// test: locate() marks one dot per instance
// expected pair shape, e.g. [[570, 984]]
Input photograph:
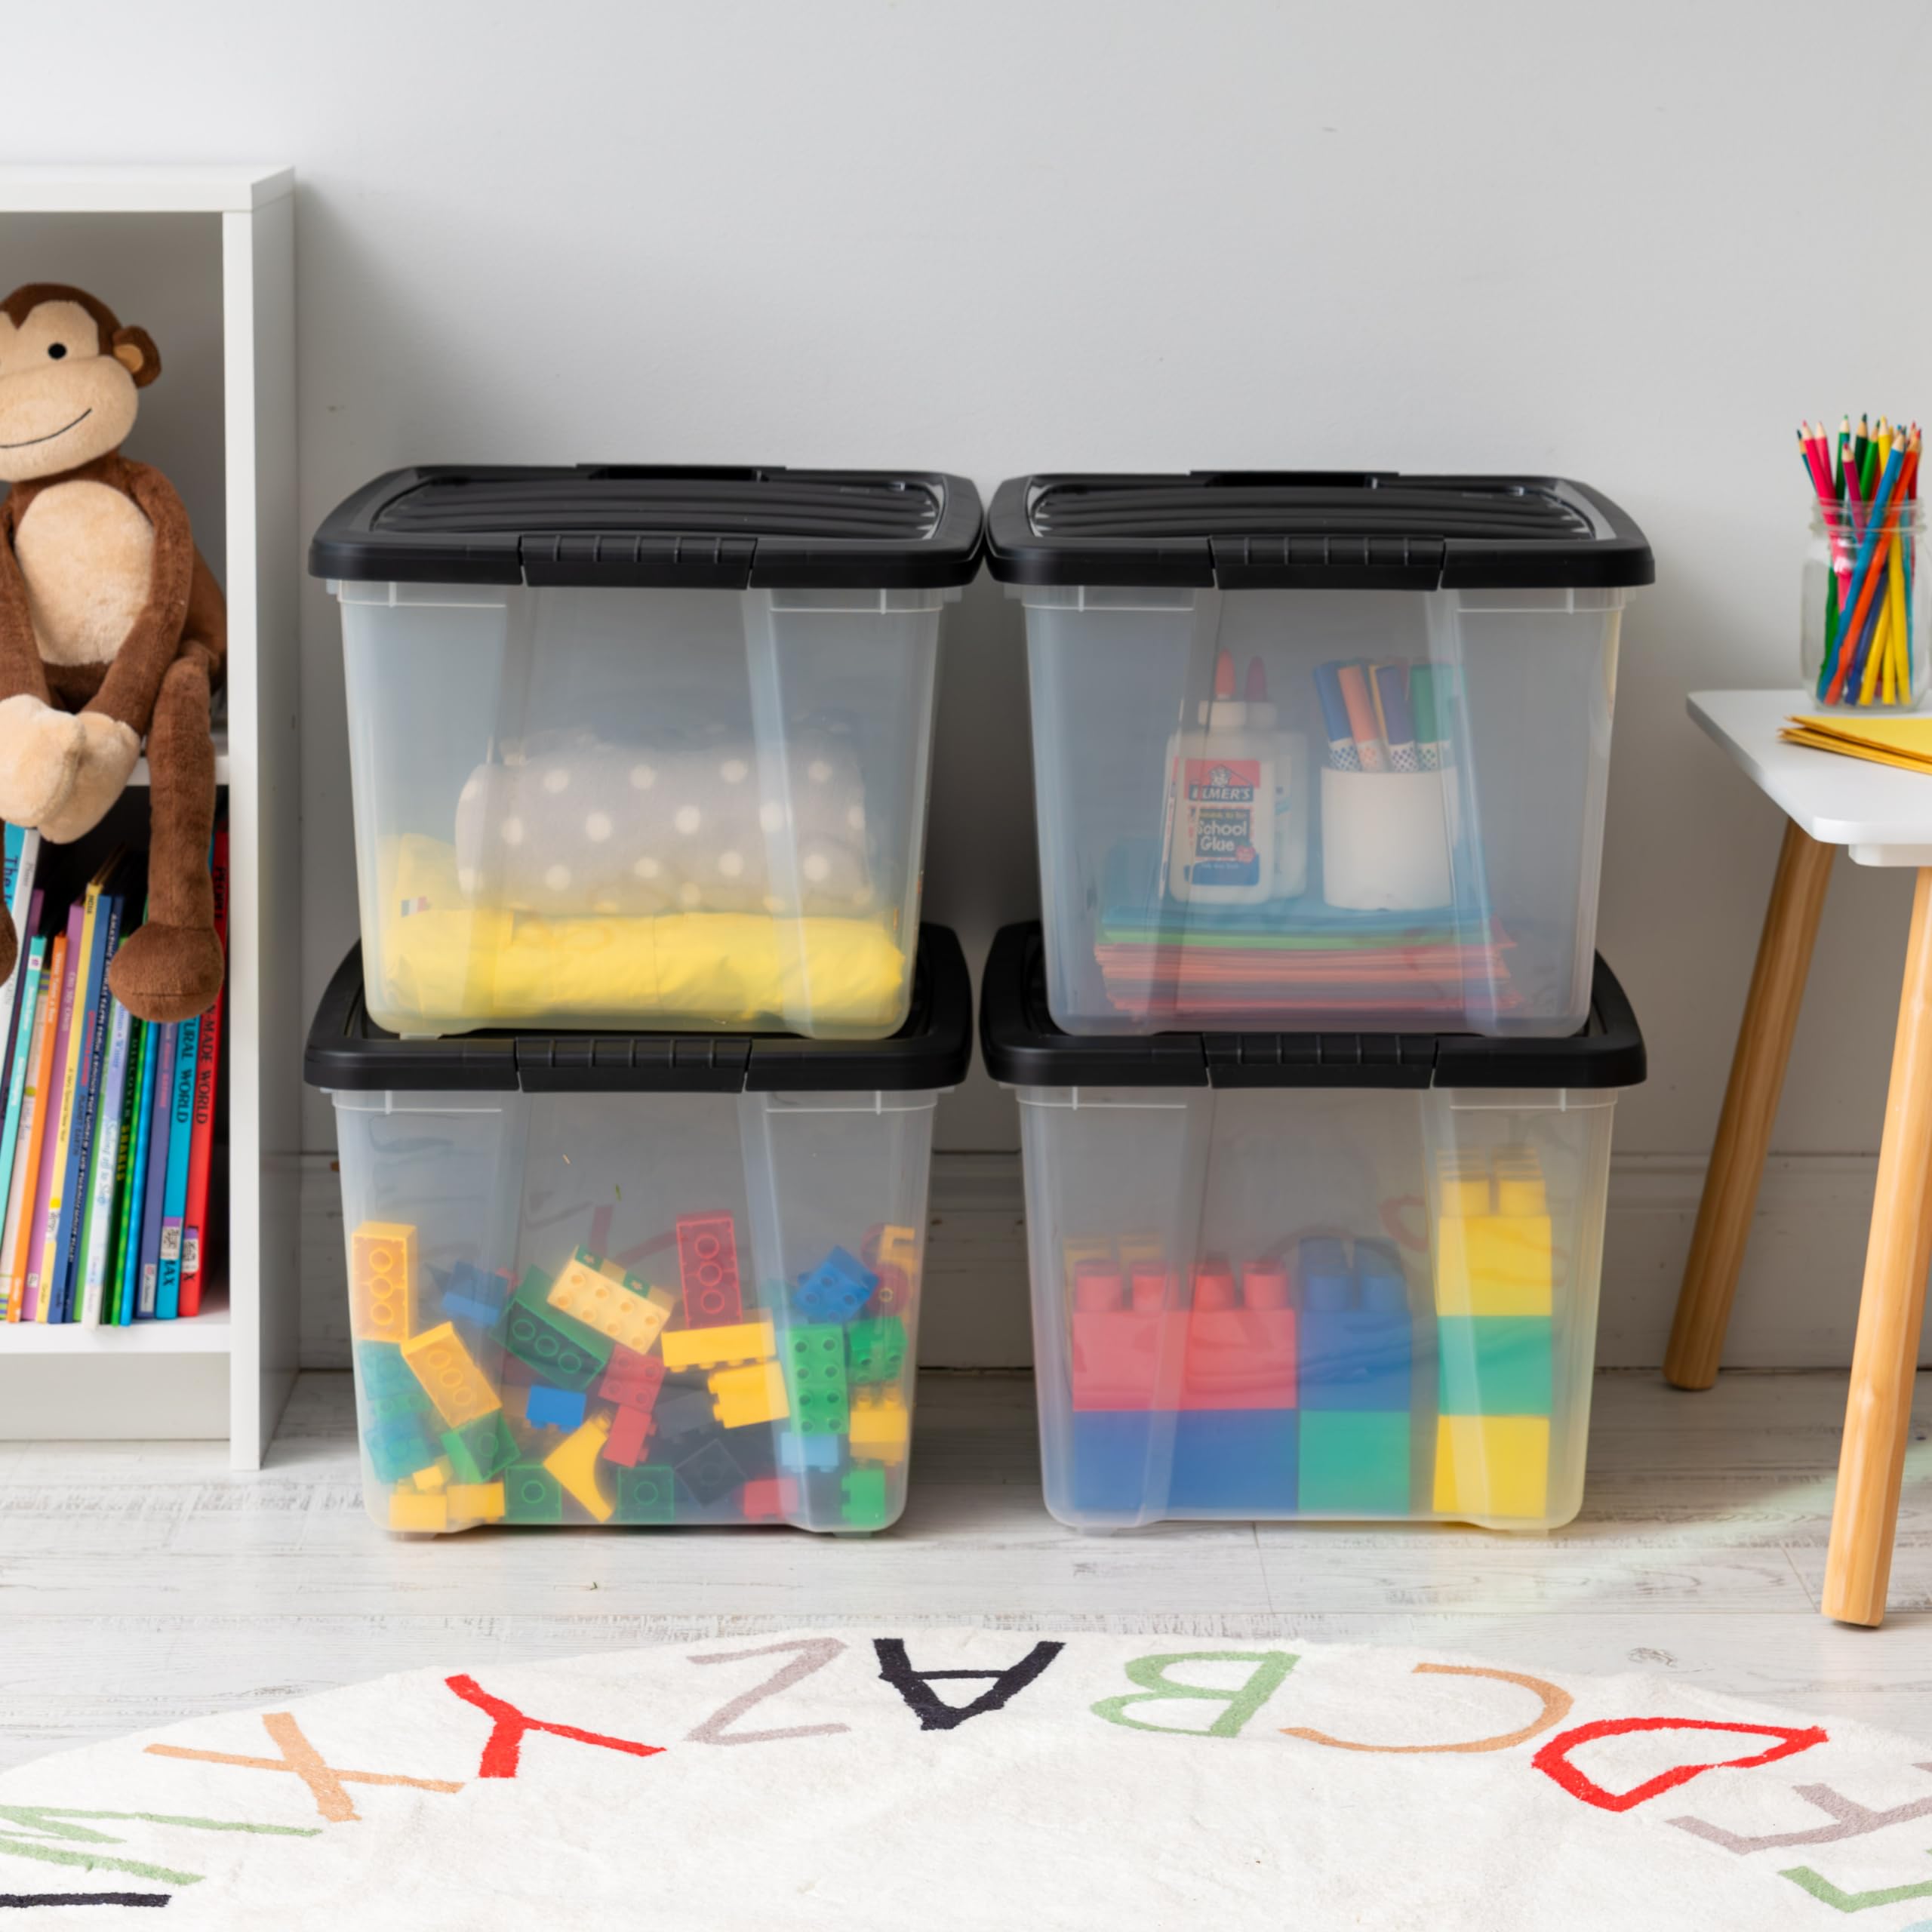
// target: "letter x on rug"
[[923, 1780]]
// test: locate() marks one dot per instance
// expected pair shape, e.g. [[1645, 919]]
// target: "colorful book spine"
[[86, 1102], [19, 1102], [34, 1108], [200, 1155], [59, 1128], [133, 1193], [181, 1141], [110, 1163], [146, 1304], [17, 856]]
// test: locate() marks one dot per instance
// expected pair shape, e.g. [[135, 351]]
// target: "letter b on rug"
[[1242, 1701]]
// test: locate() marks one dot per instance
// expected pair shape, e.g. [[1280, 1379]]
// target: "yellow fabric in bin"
[[446, 960]]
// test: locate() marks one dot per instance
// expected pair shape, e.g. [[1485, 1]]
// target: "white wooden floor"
[[143, 1582]]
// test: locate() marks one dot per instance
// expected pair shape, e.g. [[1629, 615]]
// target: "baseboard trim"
[[1796, 1305]]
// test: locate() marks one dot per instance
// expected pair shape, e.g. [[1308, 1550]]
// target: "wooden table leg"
[[1750, 1106], [1877, 1419]]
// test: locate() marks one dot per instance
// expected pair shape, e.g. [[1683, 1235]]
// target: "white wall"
[[1017, 234]]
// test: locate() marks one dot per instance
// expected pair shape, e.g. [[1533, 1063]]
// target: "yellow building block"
[[434, 1477], [881, 1429], [898, 1248], [411, 1509], [382, 1281], [1492, 1465], [602, 1296], [1464, 1186], [472, 1502], [459, 1389], [756, 1393], [573, 1463], [713, 1348], [1493, 1264], [1079, 1251]]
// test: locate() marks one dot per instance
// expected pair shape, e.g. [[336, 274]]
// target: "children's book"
[[59, 1127], [110, 1164], [128, 1240], [146, 1302], [201, 1153], [99, 1009], [19, 1100], [1905, 742], [174, 1198], [19, 855], [36, 1100]]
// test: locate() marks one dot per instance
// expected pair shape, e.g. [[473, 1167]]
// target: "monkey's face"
[[62, 402]]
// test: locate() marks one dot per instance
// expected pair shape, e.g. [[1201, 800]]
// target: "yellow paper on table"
[[1905, 742]]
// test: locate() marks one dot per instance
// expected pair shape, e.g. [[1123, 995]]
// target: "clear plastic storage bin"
[[643, 747], [637, 1280], [1313, 1276], [1318, 750]]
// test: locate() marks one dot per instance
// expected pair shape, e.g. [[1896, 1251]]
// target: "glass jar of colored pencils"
[[1865, 647]]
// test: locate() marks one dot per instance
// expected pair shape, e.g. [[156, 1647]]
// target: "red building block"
[[1239, 1358], [769, 1499], [708, 1269], [1123, 1359], [632, 1380], [630, 1430]]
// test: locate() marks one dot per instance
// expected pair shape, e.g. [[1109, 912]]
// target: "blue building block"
[[475, 1297], [1234, 1462], [1355, 1343], [396, 1448], [555, 1408], [798, 1453], [836, 1289], [1111, 1453]]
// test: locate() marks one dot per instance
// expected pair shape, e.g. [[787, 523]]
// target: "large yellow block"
[[470, 1502], [451, 1379], [755, 1393], [602, 1296], [712, 1348], [419, 1510], [573, 1463], [382, 1281], [880, 1430], [1492, 1465], [1493, 1264]]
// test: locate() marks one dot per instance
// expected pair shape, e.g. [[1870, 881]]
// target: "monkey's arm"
[[22, 674], [127, 693], [40, 748]]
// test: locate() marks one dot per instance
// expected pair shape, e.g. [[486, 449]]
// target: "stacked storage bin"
[[646, 751], [1320, 762]]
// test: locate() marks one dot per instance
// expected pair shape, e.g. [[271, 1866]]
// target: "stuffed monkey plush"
[[112, 629]]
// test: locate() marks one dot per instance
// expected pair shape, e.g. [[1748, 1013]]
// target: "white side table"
[[1882, 817]]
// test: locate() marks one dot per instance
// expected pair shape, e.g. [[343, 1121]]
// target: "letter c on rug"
[[1556, 1703], [1553, 1760], [1151, 1673]]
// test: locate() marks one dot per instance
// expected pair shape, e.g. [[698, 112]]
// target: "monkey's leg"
[[171, 968]]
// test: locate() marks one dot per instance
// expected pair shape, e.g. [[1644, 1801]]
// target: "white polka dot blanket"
[[891, 1779]]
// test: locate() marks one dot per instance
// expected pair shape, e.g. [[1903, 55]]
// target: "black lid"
[[348, 1052], [1022, 1047], [655, 526], [1314, 529]]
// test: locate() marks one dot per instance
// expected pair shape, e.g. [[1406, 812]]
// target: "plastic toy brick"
[[801, 1452], [1234, 1462], [1127, 1359], [876, 1348], [473, 1296], [892, 1253], [431, 1475], [1493, 1365], [1463, 1182], [708, 1269], [1327, 1275], [476, 1502], [769, 1499], [880, 1430], [1112, 1461], [559, 1347], [459, 1389], [545, 1407], [599, 1293], [709, 1473], [1239, 1358], [684, 1417], [414, 1510], [1355, 1359], [630, 1430], [753, 1394], [382, 1281], [1492, 1466], [815, 1366], [895, 1247], [573, 1463], [632, 1381], [1354, 1463], [720, 1346], [531, 1494], [647, 1495], [396, 1449], [381, 1372], [862, 1495], [836, 1289], [1493, 1264], [481, 1449]]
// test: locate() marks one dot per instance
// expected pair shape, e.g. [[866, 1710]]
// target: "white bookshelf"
[[204, 258]]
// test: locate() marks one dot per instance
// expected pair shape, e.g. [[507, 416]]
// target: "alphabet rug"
[[923, 1780]]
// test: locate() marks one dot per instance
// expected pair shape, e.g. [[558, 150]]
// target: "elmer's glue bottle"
[[1221, 799]]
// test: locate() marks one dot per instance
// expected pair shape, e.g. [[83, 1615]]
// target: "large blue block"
[[836, 1289], [1110, 1458], [1354, 1358], [473, 1295], [1234, 1462]]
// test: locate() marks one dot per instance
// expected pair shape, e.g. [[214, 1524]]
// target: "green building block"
[[861, 1494], [878, 1347], [480, 1449], [382, 1374], [1493, 1365], [568, 1354], [531, 1494], [396, 1448], [1353, 1462], [646, 1494], [404, 1402], [814, 1358]]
